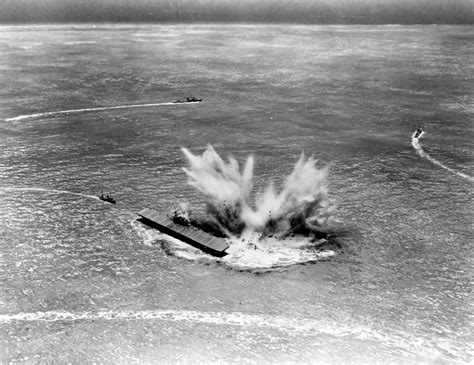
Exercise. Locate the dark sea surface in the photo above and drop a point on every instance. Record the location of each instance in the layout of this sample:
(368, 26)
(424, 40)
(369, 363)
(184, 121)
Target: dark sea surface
(82, 281)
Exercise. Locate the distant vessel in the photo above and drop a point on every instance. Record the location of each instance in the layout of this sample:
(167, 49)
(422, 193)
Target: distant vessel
(107, 198)
(188, 100)
(418, 132)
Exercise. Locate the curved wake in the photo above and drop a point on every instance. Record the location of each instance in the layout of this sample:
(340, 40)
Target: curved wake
(416, 145)
(71, 111)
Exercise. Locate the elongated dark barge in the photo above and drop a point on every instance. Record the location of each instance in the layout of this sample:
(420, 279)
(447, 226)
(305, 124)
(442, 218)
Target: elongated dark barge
(188, 234)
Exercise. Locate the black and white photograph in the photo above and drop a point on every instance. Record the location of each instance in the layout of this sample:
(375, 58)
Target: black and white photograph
(236, 182)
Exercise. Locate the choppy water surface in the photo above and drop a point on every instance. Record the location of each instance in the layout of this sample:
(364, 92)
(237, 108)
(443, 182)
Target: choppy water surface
(86, 108)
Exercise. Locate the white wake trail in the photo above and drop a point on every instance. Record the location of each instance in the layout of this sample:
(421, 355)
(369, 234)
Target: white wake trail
(416, 145)
(49, 191)
(219, 318)
(289, 325)
(36, 115)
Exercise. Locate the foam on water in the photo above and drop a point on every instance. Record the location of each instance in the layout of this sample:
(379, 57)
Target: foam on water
(248, 252)
(148, 235)
(292, 326)
(71, 111)
(416, 145)
(288, 324)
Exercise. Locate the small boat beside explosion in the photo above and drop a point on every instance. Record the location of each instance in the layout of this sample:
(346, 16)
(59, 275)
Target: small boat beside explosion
(181, 229)
(107, 198)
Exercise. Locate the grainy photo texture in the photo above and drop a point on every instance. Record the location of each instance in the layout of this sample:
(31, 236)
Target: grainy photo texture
(236, 182)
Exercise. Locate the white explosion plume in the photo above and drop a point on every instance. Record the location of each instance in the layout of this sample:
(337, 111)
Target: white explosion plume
(301, 206)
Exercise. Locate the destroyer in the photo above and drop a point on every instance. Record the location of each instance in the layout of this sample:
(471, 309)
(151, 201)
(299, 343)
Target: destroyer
(192, 99)
(107, 198)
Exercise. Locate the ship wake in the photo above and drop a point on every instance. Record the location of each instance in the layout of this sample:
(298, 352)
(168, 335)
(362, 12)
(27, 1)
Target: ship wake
(415, 142)
(84, 110)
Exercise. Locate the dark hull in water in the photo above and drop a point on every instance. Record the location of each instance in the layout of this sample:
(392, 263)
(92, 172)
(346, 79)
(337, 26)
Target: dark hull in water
(188, 234)
(188, 100)
(185, 101)
(418, 133)
(107, 200)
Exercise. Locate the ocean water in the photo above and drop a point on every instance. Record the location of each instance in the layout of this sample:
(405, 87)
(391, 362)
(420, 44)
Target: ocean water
(87, 107)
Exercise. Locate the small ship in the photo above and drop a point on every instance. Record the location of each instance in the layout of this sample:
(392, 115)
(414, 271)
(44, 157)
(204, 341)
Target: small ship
(418, 132)
(192, 99)
(107, 198)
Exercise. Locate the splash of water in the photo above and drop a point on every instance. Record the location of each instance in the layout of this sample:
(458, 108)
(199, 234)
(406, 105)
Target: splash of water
(300, 207)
